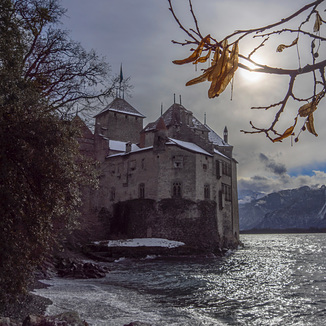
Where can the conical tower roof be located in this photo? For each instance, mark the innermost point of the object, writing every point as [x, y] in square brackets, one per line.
[161, 124]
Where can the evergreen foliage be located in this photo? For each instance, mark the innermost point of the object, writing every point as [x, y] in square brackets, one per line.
[42, 75]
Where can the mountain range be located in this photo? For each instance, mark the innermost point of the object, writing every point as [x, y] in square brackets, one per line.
[301, 208]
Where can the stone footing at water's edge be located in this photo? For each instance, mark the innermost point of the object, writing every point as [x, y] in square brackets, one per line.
[104, 253]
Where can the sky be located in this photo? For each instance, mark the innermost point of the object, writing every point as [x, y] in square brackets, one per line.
[138, 34]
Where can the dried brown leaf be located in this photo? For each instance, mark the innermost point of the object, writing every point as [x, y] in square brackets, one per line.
[288, 132]
[224, 72]
[200, 78]
[204, 58]
[281, 47]
[310, 124]
[307, 109]
[318, 22]
[196, 54]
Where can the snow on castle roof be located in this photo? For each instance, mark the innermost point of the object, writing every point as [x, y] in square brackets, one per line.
[215, 138]
[120, 146]
[121, 106]
[189, 146]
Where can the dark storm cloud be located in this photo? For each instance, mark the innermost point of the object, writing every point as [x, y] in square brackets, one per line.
[259, 178]
[277, 168]
[257, 184]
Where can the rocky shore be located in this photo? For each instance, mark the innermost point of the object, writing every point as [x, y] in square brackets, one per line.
[31, 305]
[30, 310]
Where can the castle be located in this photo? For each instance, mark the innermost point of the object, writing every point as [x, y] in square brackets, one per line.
[174, 179]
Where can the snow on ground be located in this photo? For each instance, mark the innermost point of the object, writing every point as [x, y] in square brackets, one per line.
[143, 242]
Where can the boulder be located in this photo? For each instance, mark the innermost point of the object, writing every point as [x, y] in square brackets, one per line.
[70, 318]
[6, 321]
[79, 269]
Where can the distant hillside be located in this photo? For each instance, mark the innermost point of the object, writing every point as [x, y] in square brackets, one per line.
[301, 208]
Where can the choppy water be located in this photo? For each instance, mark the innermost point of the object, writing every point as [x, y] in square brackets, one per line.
[274, 280]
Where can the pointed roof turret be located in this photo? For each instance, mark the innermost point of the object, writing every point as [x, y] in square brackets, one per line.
[161, 124]
[121, 106]
[225, 133]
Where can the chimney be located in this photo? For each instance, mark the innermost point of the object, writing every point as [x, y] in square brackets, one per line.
[128, 147]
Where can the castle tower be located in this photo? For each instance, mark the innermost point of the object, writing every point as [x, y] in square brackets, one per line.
[119, 121]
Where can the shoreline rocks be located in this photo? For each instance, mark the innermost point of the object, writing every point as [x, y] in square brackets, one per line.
[65, 319]
[80, 270]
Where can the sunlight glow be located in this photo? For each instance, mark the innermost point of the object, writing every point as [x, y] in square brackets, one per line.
[251, 76]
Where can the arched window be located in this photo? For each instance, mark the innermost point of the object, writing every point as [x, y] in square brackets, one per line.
[177, 189]
[141, 190]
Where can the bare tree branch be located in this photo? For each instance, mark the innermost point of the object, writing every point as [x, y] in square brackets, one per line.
[221, 74]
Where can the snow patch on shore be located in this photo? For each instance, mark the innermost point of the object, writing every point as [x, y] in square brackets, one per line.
[142, 242]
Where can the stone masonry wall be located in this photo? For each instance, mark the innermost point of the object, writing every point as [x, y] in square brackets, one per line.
[183, 220]
[118, 126]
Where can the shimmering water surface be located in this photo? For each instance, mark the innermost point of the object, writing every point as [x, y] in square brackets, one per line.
[273, 280]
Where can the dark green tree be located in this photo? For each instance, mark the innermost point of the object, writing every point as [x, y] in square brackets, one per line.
[43, 74]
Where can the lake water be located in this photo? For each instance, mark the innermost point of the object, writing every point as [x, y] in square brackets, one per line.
[273, 280]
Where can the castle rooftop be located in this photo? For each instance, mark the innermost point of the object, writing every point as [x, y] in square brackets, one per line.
[215, 138]
[121, 106]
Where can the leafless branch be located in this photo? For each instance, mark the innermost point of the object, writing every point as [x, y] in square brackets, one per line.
[267, 32]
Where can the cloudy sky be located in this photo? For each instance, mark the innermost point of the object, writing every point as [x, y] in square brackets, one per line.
[138, 34]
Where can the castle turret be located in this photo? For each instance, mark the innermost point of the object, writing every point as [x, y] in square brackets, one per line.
[225, 133]
[160, 137]
[119, 121]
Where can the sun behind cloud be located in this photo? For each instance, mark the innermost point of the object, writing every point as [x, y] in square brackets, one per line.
[250, 76]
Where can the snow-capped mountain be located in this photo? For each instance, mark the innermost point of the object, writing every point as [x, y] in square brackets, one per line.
[246, 196]
[300, 208]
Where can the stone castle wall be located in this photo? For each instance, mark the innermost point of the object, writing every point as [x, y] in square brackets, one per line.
[119, 126]
[193, 223]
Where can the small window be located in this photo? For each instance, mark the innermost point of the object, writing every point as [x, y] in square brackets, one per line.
[226, 168]
[222, 200]
[132, 165]
[141, 190]
[205, 167]
[207, 192]
[178, 162]
[126, 116]
[143, 164]
[176, 189]
[218, 167]
[226, 190]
